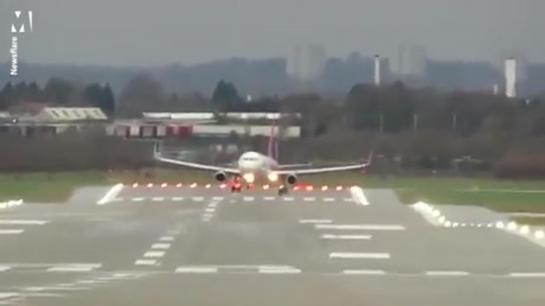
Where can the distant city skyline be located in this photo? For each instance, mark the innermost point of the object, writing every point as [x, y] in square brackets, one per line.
[147, 33]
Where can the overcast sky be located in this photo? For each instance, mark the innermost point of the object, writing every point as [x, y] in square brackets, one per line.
[150, 32]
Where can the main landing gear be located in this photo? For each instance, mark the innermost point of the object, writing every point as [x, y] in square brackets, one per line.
[282, 190]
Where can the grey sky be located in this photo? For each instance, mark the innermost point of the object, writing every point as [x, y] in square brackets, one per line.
[149, 32]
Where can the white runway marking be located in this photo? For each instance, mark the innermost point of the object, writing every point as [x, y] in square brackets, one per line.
[166, 238]
[210, 210]
[365, 227]
[11, 231]
[161, 246]
[198, 199]
[359, 196]
[4, 268]
[269, 198]
[154, 254]
[446, 273]
[528, 275]
[177, 199]
[315, 221]
[248, 199]
[273, 270]
[208, 215]
[218, 198]
[309, 199]
[74, 268]
[345, 237]
[137, 199]
[145, 262]
[364, 272]
[288, 199]
[23, 222]
[348, 255]
[213, 205]
[197, 270]
[329, 199]
[7, 295]
[348, 200]
[111, 194]
[157, 199]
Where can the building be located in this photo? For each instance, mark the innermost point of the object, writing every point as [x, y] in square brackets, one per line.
[51, 120]
[412, 60]
[511, 78]
[308, 62]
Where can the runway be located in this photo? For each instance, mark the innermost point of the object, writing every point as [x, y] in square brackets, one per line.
[169, 245]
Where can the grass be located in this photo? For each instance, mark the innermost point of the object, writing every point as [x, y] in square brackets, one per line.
[499, 195]
[540, 221]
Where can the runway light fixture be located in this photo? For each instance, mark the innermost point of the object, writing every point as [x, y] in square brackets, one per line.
[296, 188]
[448, 224]
[310, 188]
[442, 219]
[525, 229]
[539, 234]
[512, 226]
[266, 187]
[223, 186]
[179, 185]
[455, 224]
[325, 188]
[339, 188]
[273, 177]
[249, 178]
[207, 186]
[134, 185]
[193, 185]
[436, 213]
[150, 185]
[500, 225]
[164, 185]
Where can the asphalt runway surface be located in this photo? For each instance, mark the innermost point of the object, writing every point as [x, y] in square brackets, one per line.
[198, 246]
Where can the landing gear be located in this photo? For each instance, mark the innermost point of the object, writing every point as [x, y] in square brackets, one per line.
[282, 190]
[236, 186]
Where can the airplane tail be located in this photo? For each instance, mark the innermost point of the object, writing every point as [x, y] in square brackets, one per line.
[272, 150]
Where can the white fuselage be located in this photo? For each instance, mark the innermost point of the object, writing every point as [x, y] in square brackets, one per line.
[255, 166]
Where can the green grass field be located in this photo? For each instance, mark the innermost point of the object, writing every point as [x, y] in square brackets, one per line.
[500, 195]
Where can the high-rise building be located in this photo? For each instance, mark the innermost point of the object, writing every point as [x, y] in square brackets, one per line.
[412, 60]
[378, 70]
[308, 62]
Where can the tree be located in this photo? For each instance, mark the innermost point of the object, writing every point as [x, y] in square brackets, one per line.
[225, 96]
[141, 94]
[107, 100]
[58, 91]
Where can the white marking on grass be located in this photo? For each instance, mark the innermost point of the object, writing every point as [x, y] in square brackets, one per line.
[111, 194]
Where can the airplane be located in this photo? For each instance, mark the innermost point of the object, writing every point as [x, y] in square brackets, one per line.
[253, 167]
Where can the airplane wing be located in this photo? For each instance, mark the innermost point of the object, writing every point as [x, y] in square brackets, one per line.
[198, 166]
[327, 169]
[286, 166]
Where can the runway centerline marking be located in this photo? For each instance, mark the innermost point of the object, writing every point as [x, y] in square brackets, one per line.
[23, 222]
[210, 210]
[309, 199]
[248, 199]
[198, 199]
[177, 199]
[446, 273]
[528, 274]
[11, 231]
[366, 227]
[111, 194]
[145, 262]
[350, 255]
[166, 238]
[197, 270]
[364, 272]
[329, 199]
[158, 199]
[345, 237]
[315, 221]
[138, 199]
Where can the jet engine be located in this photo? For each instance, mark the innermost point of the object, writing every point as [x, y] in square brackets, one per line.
[220, 176]
[291, 179]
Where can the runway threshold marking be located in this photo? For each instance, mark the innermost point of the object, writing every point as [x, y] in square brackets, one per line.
[74, 268]
[177, 199]
[366, 227]
[166, 238]
[345, 237]
[269, 198]
[137, 199]
[350, 255]
[154, 254]
[160, 246]
[157, 199]
[145, 262]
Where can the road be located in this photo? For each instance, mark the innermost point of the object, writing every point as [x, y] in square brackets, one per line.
[197, 246]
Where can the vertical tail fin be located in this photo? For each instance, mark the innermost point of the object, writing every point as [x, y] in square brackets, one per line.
[272, 150]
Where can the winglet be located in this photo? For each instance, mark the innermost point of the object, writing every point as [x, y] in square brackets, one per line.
[370, 158]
